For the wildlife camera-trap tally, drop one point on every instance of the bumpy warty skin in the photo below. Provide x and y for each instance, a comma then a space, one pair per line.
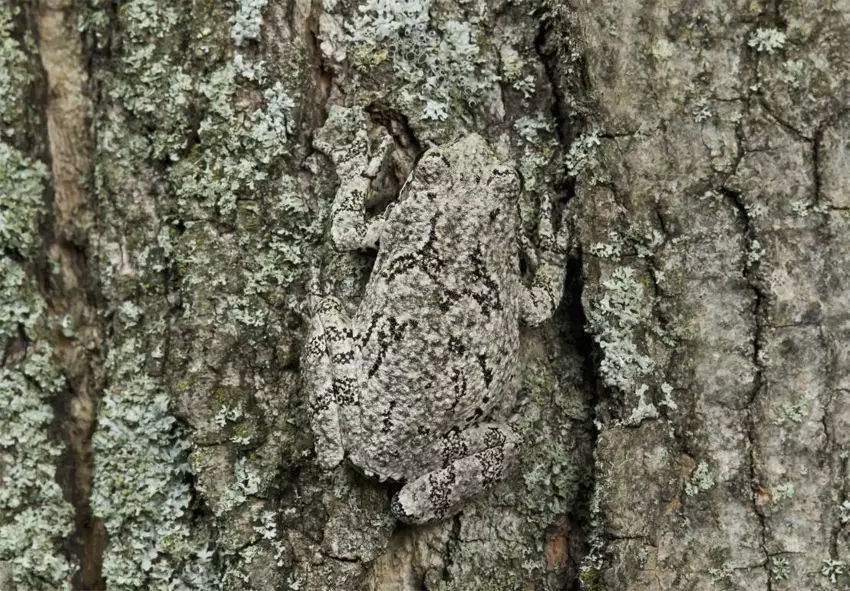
438, 324
433, 347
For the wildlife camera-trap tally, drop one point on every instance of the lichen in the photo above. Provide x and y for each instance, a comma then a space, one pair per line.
202, 234
436, 58
540, 148
35, 519
844, 510
779, 568
767, 40
833, 570
613, 318
701, 480
582, 158
247, 20
139, 485
16, 72
782, 492
21, 184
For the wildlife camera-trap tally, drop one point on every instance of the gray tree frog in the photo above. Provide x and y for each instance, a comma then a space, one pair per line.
405, 387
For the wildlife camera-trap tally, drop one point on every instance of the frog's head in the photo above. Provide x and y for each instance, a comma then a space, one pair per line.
503, 183
433, 168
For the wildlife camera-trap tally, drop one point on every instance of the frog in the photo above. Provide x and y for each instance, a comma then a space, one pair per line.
404, 387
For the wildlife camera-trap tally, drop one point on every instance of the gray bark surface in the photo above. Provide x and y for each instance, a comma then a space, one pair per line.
684, 414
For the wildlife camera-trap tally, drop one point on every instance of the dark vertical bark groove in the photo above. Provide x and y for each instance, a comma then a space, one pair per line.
69, 289
759, 386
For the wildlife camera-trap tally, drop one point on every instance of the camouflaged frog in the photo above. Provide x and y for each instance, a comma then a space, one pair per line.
404, 388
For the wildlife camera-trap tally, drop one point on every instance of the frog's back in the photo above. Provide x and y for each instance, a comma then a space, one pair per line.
438, 326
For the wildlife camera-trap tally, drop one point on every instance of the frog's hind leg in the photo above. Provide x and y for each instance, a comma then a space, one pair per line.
473, 459
330, 374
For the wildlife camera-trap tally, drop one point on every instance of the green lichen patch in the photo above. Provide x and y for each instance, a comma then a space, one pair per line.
21, 207
22, 309
238, 144
436, 58
34, 517
440, 57
613, 318
17, 74
140, 487
204, 233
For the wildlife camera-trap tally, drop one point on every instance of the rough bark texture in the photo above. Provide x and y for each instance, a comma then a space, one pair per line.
685, 414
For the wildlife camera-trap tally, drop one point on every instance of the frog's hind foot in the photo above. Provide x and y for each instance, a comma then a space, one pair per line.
473, 460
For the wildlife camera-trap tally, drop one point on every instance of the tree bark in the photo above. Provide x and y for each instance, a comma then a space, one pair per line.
162, 208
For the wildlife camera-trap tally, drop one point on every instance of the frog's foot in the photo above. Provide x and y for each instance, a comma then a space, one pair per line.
473, 460
538, 302
329, 372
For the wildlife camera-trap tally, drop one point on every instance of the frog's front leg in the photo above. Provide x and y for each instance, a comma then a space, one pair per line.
331, 376
350, 229
473, 459
538, 301
358, 162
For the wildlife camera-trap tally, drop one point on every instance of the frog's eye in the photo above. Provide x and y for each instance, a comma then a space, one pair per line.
503, 180
433, 167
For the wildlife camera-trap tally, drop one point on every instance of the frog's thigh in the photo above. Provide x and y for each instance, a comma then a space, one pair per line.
329, 377
473, 460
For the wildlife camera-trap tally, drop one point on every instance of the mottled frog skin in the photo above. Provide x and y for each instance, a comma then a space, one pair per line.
404, 388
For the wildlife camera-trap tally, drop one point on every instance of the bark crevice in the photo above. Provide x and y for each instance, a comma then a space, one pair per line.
68, 287
758, 327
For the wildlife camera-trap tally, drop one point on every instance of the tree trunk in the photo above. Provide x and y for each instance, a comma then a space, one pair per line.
163, 206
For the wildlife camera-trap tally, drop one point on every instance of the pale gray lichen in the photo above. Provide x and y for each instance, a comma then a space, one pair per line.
247, 20
21, 184
21, 312
582, 156
844, 510
613, 318
189, 175
724, 573
779, 568
239, 147
833, 569
150, 82
767, 40
540, 147
782, 492
701, 480
793, 72
644, 410
16, 71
